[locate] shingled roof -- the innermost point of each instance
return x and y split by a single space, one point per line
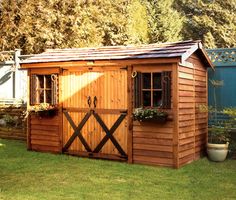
163 50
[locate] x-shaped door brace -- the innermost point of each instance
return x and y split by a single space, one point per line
109 132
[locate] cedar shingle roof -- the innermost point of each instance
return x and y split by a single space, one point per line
164 50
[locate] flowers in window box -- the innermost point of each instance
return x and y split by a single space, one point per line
150 114
43 110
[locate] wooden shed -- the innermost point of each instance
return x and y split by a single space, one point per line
97 89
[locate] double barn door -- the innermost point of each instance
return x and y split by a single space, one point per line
95 113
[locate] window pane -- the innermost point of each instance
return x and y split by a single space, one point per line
48 96
146 98
157 98
40 81
48 81
41 96
156 80
146 80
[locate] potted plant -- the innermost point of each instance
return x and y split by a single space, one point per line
43 110
218 130
218 134
218 141
150 115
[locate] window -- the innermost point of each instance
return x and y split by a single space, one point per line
44 89
152 89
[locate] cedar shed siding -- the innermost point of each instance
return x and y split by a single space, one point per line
152 142
43 134
175 143
192 122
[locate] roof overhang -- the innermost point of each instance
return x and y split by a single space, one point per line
198 48
93 63
113 55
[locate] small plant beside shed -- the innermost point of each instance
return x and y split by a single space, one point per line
219 130
12 124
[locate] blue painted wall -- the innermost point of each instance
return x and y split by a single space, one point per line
226 94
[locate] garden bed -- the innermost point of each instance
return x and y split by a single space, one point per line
12 123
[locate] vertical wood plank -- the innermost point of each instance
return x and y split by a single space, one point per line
175 79
60 97
28 131
129 117
66 90
194 111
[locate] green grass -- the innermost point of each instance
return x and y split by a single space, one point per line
30 175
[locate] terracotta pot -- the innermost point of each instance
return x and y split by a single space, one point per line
217 152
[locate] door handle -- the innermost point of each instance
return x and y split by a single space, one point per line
95 99
89 101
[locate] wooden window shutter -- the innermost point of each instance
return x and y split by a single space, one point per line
33 88
54 78
138 90
166 89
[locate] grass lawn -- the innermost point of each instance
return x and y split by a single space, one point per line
30 175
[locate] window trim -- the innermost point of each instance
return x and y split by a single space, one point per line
166 85
35 89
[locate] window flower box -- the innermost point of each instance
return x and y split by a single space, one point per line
47 113
43 110
150 115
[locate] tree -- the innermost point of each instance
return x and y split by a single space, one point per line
165 23
34 25
137 23
213 21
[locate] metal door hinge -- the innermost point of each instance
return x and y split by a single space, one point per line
125 68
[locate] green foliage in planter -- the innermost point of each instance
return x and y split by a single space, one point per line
219 133
142 114
221 130
231 112
42 109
